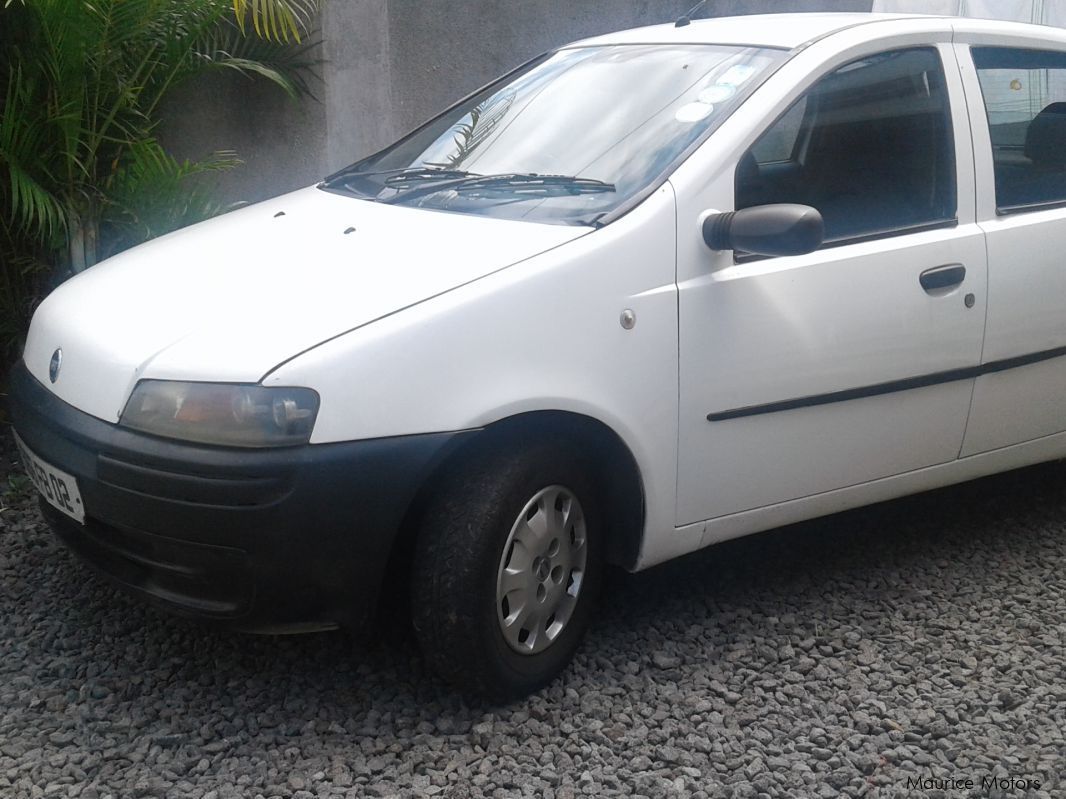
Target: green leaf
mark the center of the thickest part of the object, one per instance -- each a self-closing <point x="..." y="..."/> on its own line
<point x="276" y="20"/>
<point x="81" y="82"/>
<point x="153" y="193"/>
<point x="32" y="206"/>
<point x="286" y="66"/>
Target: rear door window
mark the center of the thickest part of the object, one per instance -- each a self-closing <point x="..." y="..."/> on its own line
<point x="1025" y="101"/>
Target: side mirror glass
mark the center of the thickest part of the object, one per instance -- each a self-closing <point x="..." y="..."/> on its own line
<point x="779" y="229"/>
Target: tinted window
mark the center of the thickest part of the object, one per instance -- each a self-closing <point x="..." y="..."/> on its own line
<point x="1025" y="100"/>
<point x="869" y="146"/>
<point x="781" y="141"/>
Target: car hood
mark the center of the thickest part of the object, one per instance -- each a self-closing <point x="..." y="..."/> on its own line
<point x="231" y="298"/>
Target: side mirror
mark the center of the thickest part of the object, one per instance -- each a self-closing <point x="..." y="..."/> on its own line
<point x="780" y="229"/>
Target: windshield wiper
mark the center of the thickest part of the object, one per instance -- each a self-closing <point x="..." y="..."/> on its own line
<point x="422" y="174"/>
<point x="515" y="183"/>
<point x="395" y="177"/>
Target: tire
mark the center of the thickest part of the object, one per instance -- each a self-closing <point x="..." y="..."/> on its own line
<point x="507" y="568"/>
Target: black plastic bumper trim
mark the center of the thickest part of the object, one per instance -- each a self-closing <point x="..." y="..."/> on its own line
<point x="264" y="540"/>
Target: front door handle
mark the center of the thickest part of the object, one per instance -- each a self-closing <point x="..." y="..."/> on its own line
<point x="939" y="279"/>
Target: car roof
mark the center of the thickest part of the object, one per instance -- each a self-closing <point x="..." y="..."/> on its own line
<point x="786" y="31"/>
<point x="765" y="30"/>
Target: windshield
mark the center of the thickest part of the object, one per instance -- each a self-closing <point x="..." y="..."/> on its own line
<point x="568" y="139"/>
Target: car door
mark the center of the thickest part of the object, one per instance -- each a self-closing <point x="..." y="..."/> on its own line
<point x="804" y="374"/>
<point x="1017" y="96"/>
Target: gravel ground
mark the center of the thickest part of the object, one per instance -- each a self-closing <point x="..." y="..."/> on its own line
<point x="921" y="639"/>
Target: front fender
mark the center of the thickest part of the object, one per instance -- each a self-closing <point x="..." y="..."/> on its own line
<point x="544" y="334"/>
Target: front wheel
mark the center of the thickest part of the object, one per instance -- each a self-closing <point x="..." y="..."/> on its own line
<point x="507" y="568"/>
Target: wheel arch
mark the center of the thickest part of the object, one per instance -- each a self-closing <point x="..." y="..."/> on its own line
<point x="619" y="483"/>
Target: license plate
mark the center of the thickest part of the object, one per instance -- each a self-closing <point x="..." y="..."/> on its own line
<point x="58" y="488"/>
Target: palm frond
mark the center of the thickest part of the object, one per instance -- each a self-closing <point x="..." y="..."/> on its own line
<point x="475" y="127"/>
<point x="286" y="66"/>
<point x="22" y="283"/>
<point x="153" y="193"/>
<point x="35" y="209"/>
<point x="81" y="83"/>
<point x="277" y="20"/>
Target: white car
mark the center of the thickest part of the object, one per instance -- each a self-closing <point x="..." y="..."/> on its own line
<point x="648" y="292"/>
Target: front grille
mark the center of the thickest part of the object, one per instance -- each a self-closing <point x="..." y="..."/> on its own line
<point x="225" y="490"/>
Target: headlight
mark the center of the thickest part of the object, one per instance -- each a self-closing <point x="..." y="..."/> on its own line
<point x="222" y="413"/>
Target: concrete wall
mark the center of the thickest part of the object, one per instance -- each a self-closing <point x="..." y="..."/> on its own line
<point x="438" y="55"/>
<point x="390" y="64"/>
<point x="281" y="141"/>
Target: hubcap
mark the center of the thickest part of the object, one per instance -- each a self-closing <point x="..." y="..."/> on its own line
<point x="541" y="570"/>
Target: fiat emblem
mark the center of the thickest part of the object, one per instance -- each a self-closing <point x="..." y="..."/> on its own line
<point x="56" y="363"/>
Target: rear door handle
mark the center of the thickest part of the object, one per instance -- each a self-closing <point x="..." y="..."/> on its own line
<point x="940" y="279"/>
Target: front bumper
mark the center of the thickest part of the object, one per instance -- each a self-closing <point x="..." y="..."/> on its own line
<point x="270" y="540"/>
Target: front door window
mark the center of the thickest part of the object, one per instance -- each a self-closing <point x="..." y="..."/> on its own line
<point x="870" y="146"/>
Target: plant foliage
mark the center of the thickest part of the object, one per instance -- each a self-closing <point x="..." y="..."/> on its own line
<point x="280" y="21"/>
<point x="81" y="82"/>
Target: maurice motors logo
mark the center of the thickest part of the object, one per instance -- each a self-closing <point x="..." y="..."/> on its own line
<point x="986" y="783"/>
